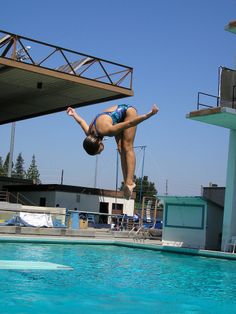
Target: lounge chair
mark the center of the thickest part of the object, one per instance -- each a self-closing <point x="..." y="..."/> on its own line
<point x="153" y="233"/>
<point x="230" y="245"/>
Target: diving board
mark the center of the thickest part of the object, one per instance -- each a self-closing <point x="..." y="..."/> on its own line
<point x="38" y="78"/>
<point x="31" y="265"/>
<point x="231" y="27"/>
<point x="219" y="116"/>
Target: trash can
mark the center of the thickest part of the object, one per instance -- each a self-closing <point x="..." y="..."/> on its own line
<point x="83" y="223"/>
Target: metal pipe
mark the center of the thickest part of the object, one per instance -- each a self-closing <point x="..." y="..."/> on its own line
<point x="96" y="172"/>
<point x="13" y="126"/>
<point x="141" y="183"/>
<point x="117" y="173"/>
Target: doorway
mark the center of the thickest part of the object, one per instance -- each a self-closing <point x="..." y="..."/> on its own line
<point x="103" y="208"/>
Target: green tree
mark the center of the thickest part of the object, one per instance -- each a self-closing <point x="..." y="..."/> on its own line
<point x="1" y="167"/>
<point x="19" y="170"/>
<point x="32" y="172"/>
<point x="143" y="186"/>
<point x="6" y="164"/>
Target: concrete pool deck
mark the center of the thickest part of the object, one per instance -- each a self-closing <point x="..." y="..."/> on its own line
<point x="106" y="238"/>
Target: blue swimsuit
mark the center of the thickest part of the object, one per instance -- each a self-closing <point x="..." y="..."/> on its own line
<point x="117" y="115"/>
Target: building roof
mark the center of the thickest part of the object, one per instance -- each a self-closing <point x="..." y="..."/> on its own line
<point x="64" y="188"/>
<point x="193" y="200"/>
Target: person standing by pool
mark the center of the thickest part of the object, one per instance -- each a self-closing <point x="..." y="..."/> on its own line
<point x="119" y="121"/>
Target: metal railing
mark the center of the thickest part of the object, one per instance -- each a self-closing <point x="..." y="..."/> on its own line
<point x="4" y="196"/>
<point x="45" y="55"/>
<point x="18" y="198"/>
<point x="228" y="100"/>
<point x="210" y="96"/>
<point x="21" y="199"/>
<point x="200" y="104"/>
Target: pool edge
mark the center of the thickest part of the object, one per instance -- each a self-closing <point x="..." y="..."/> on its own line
<point x="154" y="247"/>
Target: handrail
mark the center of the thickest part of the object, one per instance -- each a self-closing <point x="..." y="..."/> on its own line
<point x="6" y="196"/>
<point x="219" y="99"/>
<point x="17" y="48"/>
<point x="21" y="198"/>
<point x="204" y="105"/>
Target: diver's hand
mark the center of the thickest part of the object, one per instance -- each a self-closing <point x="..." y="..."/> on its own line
<point x="71" y="111"/>
<point x="155" y="109"/>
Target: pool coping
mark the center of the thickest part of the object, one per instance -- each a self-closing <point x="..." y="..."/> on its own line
<point x="153" y="247"/>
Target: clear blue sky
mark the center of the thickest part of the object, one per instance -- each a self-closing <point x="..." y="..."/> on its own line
<point x="175" y="48"/>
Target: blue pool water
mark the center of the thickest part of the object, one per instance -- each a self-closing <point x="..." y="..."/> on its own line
<point x="111" y="279"/>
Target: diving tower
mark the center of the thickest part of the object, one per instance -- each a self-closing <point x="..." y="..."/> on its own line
<point x="38" y="78"/>
<point x="223" y="114"/>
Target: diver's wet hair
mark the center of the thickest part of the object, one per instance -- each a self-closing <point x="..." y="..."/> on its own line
<point x="91" y="145"/>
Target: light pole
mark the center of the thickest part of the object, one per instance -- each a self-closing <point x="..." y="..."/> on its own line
<point x="13" y="126"/>
<point x="141" y="183"/>
<point x="96" y="172"/>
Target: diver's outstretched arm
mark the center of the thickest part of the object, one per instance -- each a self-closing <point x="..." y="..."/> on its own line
<point x="111" y="130"/>
<point x="71" y="112"/>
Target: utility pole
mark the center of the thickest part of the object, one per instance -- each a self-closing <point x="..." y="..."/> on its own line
<point x="62" y="176"/>
<point x="117" y="175"/>
<point x="166" y="193"/>
<point x="13" y="126"/>
<point x="141" y="183"/>
<point x="96" y="172"/>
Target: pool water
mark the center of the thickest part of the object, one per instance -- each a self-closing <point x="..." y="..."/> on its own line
<point x="112" y="279"/>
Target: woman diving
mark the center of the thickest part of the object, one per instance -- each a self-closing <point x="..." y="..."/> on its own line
<point x="119" y="121"/>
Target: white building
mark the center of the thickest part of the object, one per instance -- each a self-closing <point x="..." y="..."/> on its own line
<point x="73" y="198"/>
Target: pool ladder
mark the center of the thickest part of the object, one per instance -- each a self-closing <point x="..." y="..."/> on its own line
<point x="138" y="235"/>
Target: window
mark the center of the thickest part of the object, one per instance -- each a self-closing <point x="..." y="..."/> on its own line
<point x="103" y="208"/>
<point x="185" y="216"/>
<point x="117" y="208"/>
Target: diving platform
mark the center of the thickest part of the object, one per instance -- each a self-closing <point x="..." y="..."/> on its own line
<point x="31" y="265"/>
<point x="224" y="117"/>
<point x="220" y="116"/>
<point x="38" y="78"/>
<point x="218" y="110"/>
<point x="231" y="27"/>
<point x="223" y="114"/>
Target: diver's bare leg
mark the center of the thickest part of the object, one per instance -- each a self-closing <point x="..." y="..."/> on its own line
<point x="128" y="160"/>
<point x="128" y="155"/>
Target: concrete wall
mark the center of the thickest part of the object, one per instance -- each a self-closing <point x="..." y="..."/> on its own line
<point x="184" y="237"/>
<point x="214" y="194"/>
<point x="8" y="210"/>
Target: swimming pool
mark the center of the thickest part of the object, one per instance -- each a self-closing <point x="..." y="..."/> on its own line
<point x="115" y="279"/>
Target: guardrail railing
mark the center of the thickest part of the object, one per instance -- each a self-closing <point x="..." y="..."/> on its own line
<point x="204" y="104"/>
<point x="41" y="54"/>
<point x="18" y="198"/>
